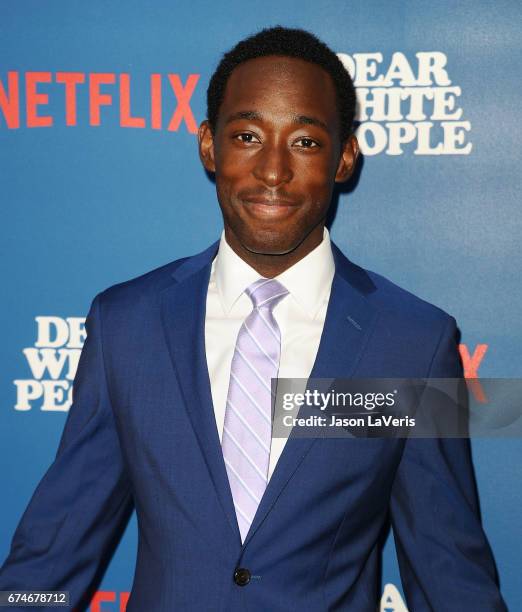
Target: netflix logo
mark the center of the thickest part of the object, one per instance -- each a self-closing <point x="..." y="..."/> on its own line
<point x="168" y="97"/>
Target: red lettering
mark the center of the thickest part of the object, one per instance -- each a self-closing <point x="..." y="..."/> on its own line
<point x="124" y="598"/>
<point x="97" y="99"/>
<point x="10" y="99"/>
<point x="35" y="99"/>
<point x="477" y="389"/>
<point x="155" y="101"/>
<point x="100" y="597"/>
<point x="70" y="80"/>
<point x="471" y="365"/>
<point x="126" y="120"/>
<point x="183" y="110"/>
<point x="10" y="102"/>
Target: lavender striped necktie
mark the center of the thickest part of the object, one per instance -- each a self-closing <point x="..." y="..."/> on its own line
<point x="248" y="416"/>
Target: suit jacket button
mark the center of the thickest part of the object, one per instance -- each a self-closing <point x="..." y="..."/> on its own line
<point x="242" y="576"/>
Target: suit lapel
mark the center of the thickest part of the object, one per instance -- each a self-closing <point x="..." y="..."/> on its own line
<point x="348" y="324"/>
<point x="183" y="308"/>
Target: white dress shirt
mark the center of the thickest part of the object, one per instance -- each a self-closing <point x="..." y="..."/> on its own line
<point x="300" y="316"/>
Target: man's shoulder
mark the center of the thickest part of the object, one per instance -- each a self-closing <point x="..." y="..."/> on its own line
<point x="145" y="284"/>
<point x="391" y="299"/>
<point x="152" y="283"/>
<point x="396" y="299"/>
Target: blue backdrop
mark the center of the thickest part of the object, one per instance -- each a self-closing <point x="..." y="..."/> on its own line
<point x="101" y="181"/>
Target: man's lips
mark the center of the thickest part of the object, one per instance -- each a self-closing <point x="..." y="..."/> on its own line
<point x="272" y="201"/>
<point x="268" y="208"/>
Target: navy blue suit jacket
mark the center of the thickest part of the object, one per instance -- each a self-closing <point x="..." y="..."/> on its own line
<point x="141" y="433"/>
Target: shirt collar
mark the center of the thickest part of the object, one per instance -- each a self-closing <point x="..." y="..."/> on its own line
<point x="308" y="281"/>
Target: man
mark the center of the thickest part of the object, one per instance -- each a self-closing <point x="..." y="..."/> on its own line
<point x="172" y="395"/>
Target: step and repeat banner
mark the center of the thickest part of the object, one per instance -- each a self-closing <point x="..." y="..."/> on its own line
<point x="101" y="181"/>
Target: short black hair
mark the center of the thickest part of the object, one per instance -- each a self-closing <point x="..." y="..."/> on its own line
<point x="289" y="42"/>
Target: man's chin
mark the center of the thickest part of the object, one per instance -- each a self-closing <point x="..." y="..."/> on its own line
<point x="269" y="245"/>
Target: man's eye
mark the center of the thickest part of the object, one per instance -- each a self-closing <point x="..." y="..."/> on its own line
<point x="306" y="143"/>
<point x="246" y="137"/>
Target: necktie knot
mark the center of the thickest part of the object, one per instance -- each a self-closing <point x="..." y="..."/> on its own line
<point x="266" y="292"/>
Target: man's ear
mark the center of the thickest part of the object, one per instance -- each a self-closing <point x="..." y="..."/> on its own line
<point x="206" y="146"/>
<point x="348" y="161"/>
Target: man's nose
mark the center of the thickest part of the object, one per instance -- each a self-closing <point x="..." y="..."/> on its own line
<point x="273" y="165"/>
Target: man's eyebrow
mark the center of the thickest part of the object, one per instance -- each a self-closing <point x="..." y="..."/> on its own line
<point x="251" y="115"/>
<point x="255" y="116"/>
<point x="305" y="120"/>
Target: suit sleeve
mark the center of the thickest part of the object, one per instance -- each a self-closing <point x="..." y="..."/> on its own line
<point x="444" y="558"/>
<point x="84" y="498"/>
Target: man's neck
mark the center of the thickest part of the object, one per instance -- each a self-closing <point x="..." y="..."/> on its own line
<point x="269" y="265"/>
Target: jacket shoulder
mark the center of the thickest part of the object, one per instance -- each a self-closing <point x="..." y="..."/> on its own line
<point x="141" y="286"/>
<point x="400" y="302"/>
<point x="388" y="297"/>
<point x="150" y="284"/>
<point x="424" y="336"/>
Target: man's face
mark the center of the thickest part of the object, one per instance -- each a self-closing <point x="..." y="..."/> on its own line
<point x="276" y="153"/>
